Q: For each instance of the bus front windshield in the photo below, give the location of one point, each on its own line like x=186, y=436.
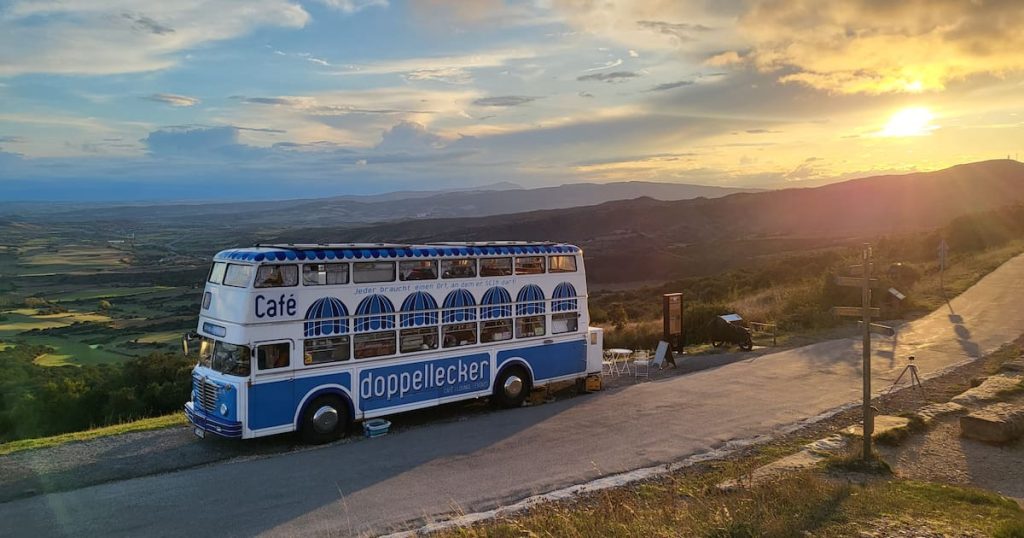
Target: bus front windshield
x=223, y=357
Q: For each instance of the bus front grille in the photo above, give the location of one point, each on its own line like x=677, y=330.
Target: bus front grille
x=207, y=393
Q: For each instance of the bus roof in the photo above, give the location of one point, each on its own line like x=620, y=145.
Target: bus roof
x=356, y=251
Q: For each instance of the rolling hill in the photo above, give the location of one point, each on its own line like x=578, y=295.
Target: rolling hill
x=644, y=238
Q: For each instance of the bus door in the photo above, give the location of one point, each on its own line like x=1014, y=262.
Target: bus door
x=271, y=393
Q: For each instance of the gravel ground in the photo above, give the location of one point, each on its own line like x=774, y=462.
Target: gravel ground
x=941, y=455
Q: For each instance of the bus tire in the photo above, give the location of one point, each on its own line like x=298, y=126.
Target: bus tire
x=325, y=419
x=511, y=387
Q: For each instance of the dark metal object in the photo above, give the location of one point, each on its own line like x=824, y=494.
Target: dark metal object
x=725, y=332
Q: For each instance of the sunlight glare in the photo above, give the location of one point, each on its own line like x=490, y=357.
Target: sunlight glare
x=914, y=121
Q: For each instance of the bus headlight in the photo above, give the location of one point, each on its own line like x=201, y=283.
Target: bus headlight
x=224, y=409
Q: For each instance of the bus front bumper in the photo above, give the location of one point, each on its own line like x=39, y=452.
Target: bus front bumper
x=207, y=423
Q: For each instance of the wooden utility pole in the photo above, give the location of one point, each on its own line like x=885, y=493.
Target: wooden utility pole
x=865, y=292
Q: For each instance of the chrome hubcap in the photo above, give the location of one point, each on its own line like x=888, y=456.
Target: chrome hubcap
x=513, y=386
x=325, y=419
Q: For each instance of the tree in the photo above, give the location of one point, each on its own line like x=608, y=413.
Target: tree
x=105, y=305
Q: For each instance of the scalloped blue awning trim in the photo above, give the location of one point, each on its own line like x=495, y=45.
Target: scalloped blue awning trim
x=259, y=254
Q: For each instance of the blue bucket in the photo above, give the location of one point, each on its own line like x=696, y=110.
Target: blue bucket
x=376, y=427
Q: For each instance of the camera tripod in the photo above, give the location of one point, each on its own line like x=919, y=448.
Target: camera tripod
x=915, y=380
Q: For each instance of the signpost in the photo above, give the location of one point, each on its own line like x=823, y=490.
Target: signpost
x=672, y=314
x=865, y=312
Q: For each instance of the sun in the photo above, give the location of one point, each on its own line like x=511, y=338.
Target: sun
x=915, y=121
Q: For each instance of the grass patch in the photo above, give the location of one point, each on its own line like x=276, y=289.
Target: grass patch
x=176, y=419
x=69, y=351
x=806, y=502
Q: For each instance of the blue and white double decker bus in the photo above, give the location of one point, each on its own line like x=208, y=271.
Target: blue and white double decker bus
x=314, y=337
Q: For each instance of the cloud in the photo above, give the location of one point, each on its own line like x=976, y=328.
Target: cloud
x=761, y=131
x=144, y=23
x=125, y=36
x=504, y=100
x=408, y=136
x=173, y=99
x=448, y=75
x=12, y=140
x=633, y=54
x=681, y=31
x=217, y=144
x=729, y=57
x=871, y=47
x=585, y=94
x=671, y=86
x=607, y=65
x=614, y=76
x=352, y=6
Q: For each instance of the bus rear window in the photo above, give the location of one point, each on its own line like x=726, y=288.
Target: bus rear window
x=238, y=276
x=217, y=273
x=562, y=264
x=277, y=276
x=366, y=272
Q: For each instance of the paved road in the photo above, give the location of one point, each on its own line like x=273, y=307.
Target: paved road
x=485, y=460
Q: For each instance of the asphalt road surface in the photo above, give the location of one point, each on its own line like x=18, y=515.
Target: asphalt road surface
x=490, y=459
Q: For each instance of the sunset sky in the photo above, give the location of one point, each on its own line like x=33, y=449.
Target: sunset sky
x=247, y=99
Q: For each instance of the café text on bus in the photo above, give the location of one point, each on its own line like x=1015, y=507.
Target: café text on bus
x=314, y=337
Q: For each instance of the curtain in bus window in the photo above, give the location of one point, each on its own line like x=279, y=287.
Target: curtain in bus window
x=567, y=292
x=418, y=308
x=530, y=301
x=459, y=306
x=375, y=313
x=325, y=317
x=496, y=303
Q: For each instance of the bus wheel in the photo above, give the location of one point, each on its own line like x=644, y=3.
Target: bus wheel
x=511, y=387
x=325, y=419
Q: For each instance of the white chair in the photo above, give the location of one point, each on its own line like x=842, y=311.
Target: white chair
x=608, y=365
x=642, y=364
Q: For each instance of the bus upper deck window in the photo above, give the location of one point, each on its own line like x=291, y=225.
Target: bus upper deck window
x=530, y=265
x=217, y=273
x=237, y=275
x=562, y=264
x=496, y=267
x=324, y=274
x=465, y=268
x=277, y=276
x=417, y=270
x=366, y=272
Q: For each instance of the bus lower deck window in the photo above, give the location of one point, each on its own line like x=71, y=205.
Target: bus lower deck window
x=376, y=344
x=496, y=330
x=323, y=350
x=419, y=339
x=529, y=326
x=565, y=322
x=459, y=334
x=272, y=356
